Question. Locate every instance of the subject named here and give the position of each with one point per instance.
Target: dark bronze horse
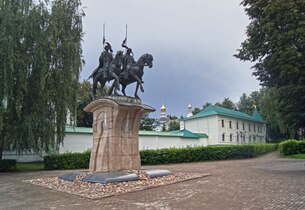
(114, 69)
(135, 74)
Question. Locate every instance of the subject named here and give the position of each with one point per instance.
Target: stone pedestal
(116, 126)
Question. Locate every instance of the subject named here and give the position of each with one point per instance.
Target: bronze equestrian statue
(135, 74)
(122, 69)
(108, 70)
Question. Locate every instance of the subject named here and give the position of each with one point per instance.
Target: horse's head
(148, 60)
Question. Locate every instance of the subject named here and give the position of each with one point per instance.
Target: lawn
(298, 156)
(31, 166)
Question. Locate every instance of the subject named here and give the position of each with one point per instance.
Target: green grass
(32, 166)
(298, 156)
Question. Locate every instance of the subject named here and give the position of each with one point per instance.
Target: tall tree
(40, 53)
(247, 104)
(196, 110)
(174, 125)
(276, 43)
(226, 103)
(206, 105)
(147, 123)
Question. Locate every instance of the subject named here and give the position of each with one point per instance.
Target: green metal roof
(78, 130)
(216, 110)
(257, 116)
(178, 133)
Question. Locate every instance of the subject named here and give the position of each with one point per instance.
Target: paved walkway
(267, 182)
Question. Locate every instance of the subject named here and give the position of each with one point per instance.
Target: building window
(231, 137)
(260, 129)
(237, 138)
(254, 138)
(223, 137)
(249, 139)
(230, 124)
(223, 123)
(237, 125)
(244, 138)
(243, 126)
(249, 127)
(254, 128)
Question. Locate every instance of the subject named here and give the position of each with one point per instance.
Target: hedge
(75, 160)
(292, 147)
(7, 165)
(166, 156)
(194, 154)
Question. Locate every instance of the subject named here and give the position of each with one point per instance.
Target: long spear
(104, 40)
(125, 40)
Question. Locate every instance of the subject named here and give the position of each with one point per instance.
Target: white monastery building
(225, 126)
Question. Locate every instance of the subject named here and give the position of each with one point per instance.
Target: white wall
(76, 142)
(207, 125)
(157, 142)
(260, 136)
(23, 157)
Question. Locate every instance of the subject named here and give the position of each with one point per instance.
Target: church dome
(163, 108)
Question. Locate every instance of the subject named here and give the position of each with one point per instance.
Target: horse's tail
(93, 73)
(91, 76)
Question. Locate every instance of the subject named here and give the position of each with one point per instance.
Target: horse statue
(113, 70)
(135, 74)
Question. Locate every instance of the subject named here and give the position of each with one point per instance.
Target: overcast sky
(192, 43)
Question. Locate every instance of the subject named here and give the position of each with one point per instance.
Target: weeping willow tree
(40, 62)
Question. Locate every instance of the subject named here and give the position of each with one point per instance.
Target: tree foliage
(276, 43)
(147, 123)
(247, 104)
(174, 125)
(84, 119)
(196, 110)
(40, 53)
(226, 103)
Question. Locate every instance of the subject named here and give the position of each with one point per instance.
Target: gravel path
(97, 190)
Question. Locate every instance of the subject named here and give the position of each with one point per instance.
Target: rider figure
(128, 60)
(105, 59)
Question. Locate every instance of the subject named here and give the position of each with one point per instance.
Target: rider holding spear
(128, 59)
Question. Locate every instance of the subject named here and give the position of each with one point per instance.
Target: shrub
(67, 161)
(166, 156)
(179, 155)
(291, 147)
(7, 165)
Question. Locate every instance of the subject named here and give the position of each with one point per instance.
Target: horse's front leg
(94, 89)
(139, 82)
(123, 89)
(116, 80)
(136, 92)
(102, 88)
(111, 89)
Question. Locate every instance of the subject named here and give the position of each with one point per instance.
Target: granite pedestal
(116, 126)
